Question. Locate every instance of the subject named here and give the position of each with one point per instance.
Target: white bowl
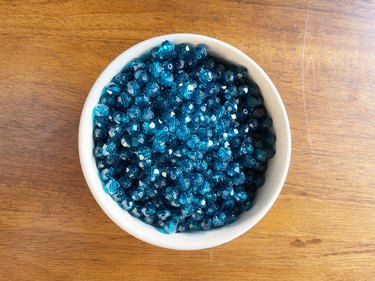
(275, 175)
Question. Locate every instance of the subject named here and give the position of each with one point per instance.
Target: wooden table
(321, 57)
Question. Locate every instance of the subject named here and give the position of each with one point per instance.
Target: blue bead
(166, 50)
(183, 132)
(134, 112)
(119, 195)
(185, 197)
(133, 88)
(184, 50)
(219, 218)
(187, 210)
(193, 141)
(127, 204)
(124, 99)
(204, 188)
(174, 173)
(125, 182)
(136, 64)
(227, 193)
(187, 165)
(230, 92)
(158, 145)
(152, 89)
(112, 186)
(121, 79)
(137, 194)
(228, 204)
(147, 114)
(112, 89)
(241, 73)
(132, 171)
(170, 226)
(260, 155)
(246, 148)
(156, 69)
(148, 209)
(205, 76)
(171, 193)
(100, 134)
(224, 153)
(200, 52)
(141, 76)
(240, 196)
(109, 149)
(187, 89)
(228, 77)
(206, 224)
(166, 78)
(233, 169)
(163, 214)
(101, 110)
(197, 216)
(247, 205)
(183, 183)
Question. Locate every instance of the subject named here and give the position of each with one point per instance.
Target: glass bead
(166, 78)
(200, 52)
(136, 64)
(260, 155)
(112, 186)
(166, 50)
(121, 79)
(127, 204)
(163, 214)
(125, 182)
(137, 194)
(109, 149)
(224, 153)
(170, 226)
(152, 89)
(101, 110)
(227, 193)
(183, 183)
(228, 77)
(219, 218)
(205, 76)
(133, 88)
(148, 209)
(240, 196)
(132, 171)
(112, 89)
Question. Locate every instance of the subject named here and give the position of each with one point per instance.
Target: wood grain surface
(321, 57)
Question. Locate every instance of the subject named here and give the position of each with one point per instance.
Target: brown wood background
(321, 57)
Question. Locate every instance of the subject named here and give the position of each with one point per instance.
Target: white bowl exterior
(275, 175)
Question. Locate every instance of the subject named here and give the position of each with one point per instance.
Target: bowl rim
(98, 192)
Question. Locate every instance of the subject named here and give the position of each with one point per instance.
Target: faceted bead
(112, 160)
(230, 217)
(219, 218)
(209, 64)
(112, 186)
(148, 209)
(158, 145)
(163, 214)
(132, 171)
(200, 52)
(100, 134)
(166, 50)
(185, 198)
(112, 89)
(233, 169)
(121, 79)
(134, 112)
(136, 64)
(183, 132)
(205, 76)
(133, 88)
(193, 141)
(187, 165)
(156, 69)
(187, 209)
(224, 153)
(101, 110)
(206, 224)
(147, 114)
(247, 205)
(246, 148)
(152, 89)
(107, 174)
(184, 50)
(228, 77)
(127, 204)
(228, 204)
(240, 196)
(171, 193)
(230, 92)
(212, 89)
(125, 182)
(187, 89)
(241, 74)
(137, 194)
(124, 99)
(204, 188)
(141, 76)
(109, 148)
(170, 226)
(166, 78)
(227, 193)
(197, 215)
(260, 155)
(183, 183)
(119, 195)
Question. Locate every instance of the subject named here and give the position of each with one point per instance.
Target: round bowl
(275, 175)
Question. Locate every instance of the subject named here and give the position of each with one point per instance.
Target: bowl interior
(275, 175)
